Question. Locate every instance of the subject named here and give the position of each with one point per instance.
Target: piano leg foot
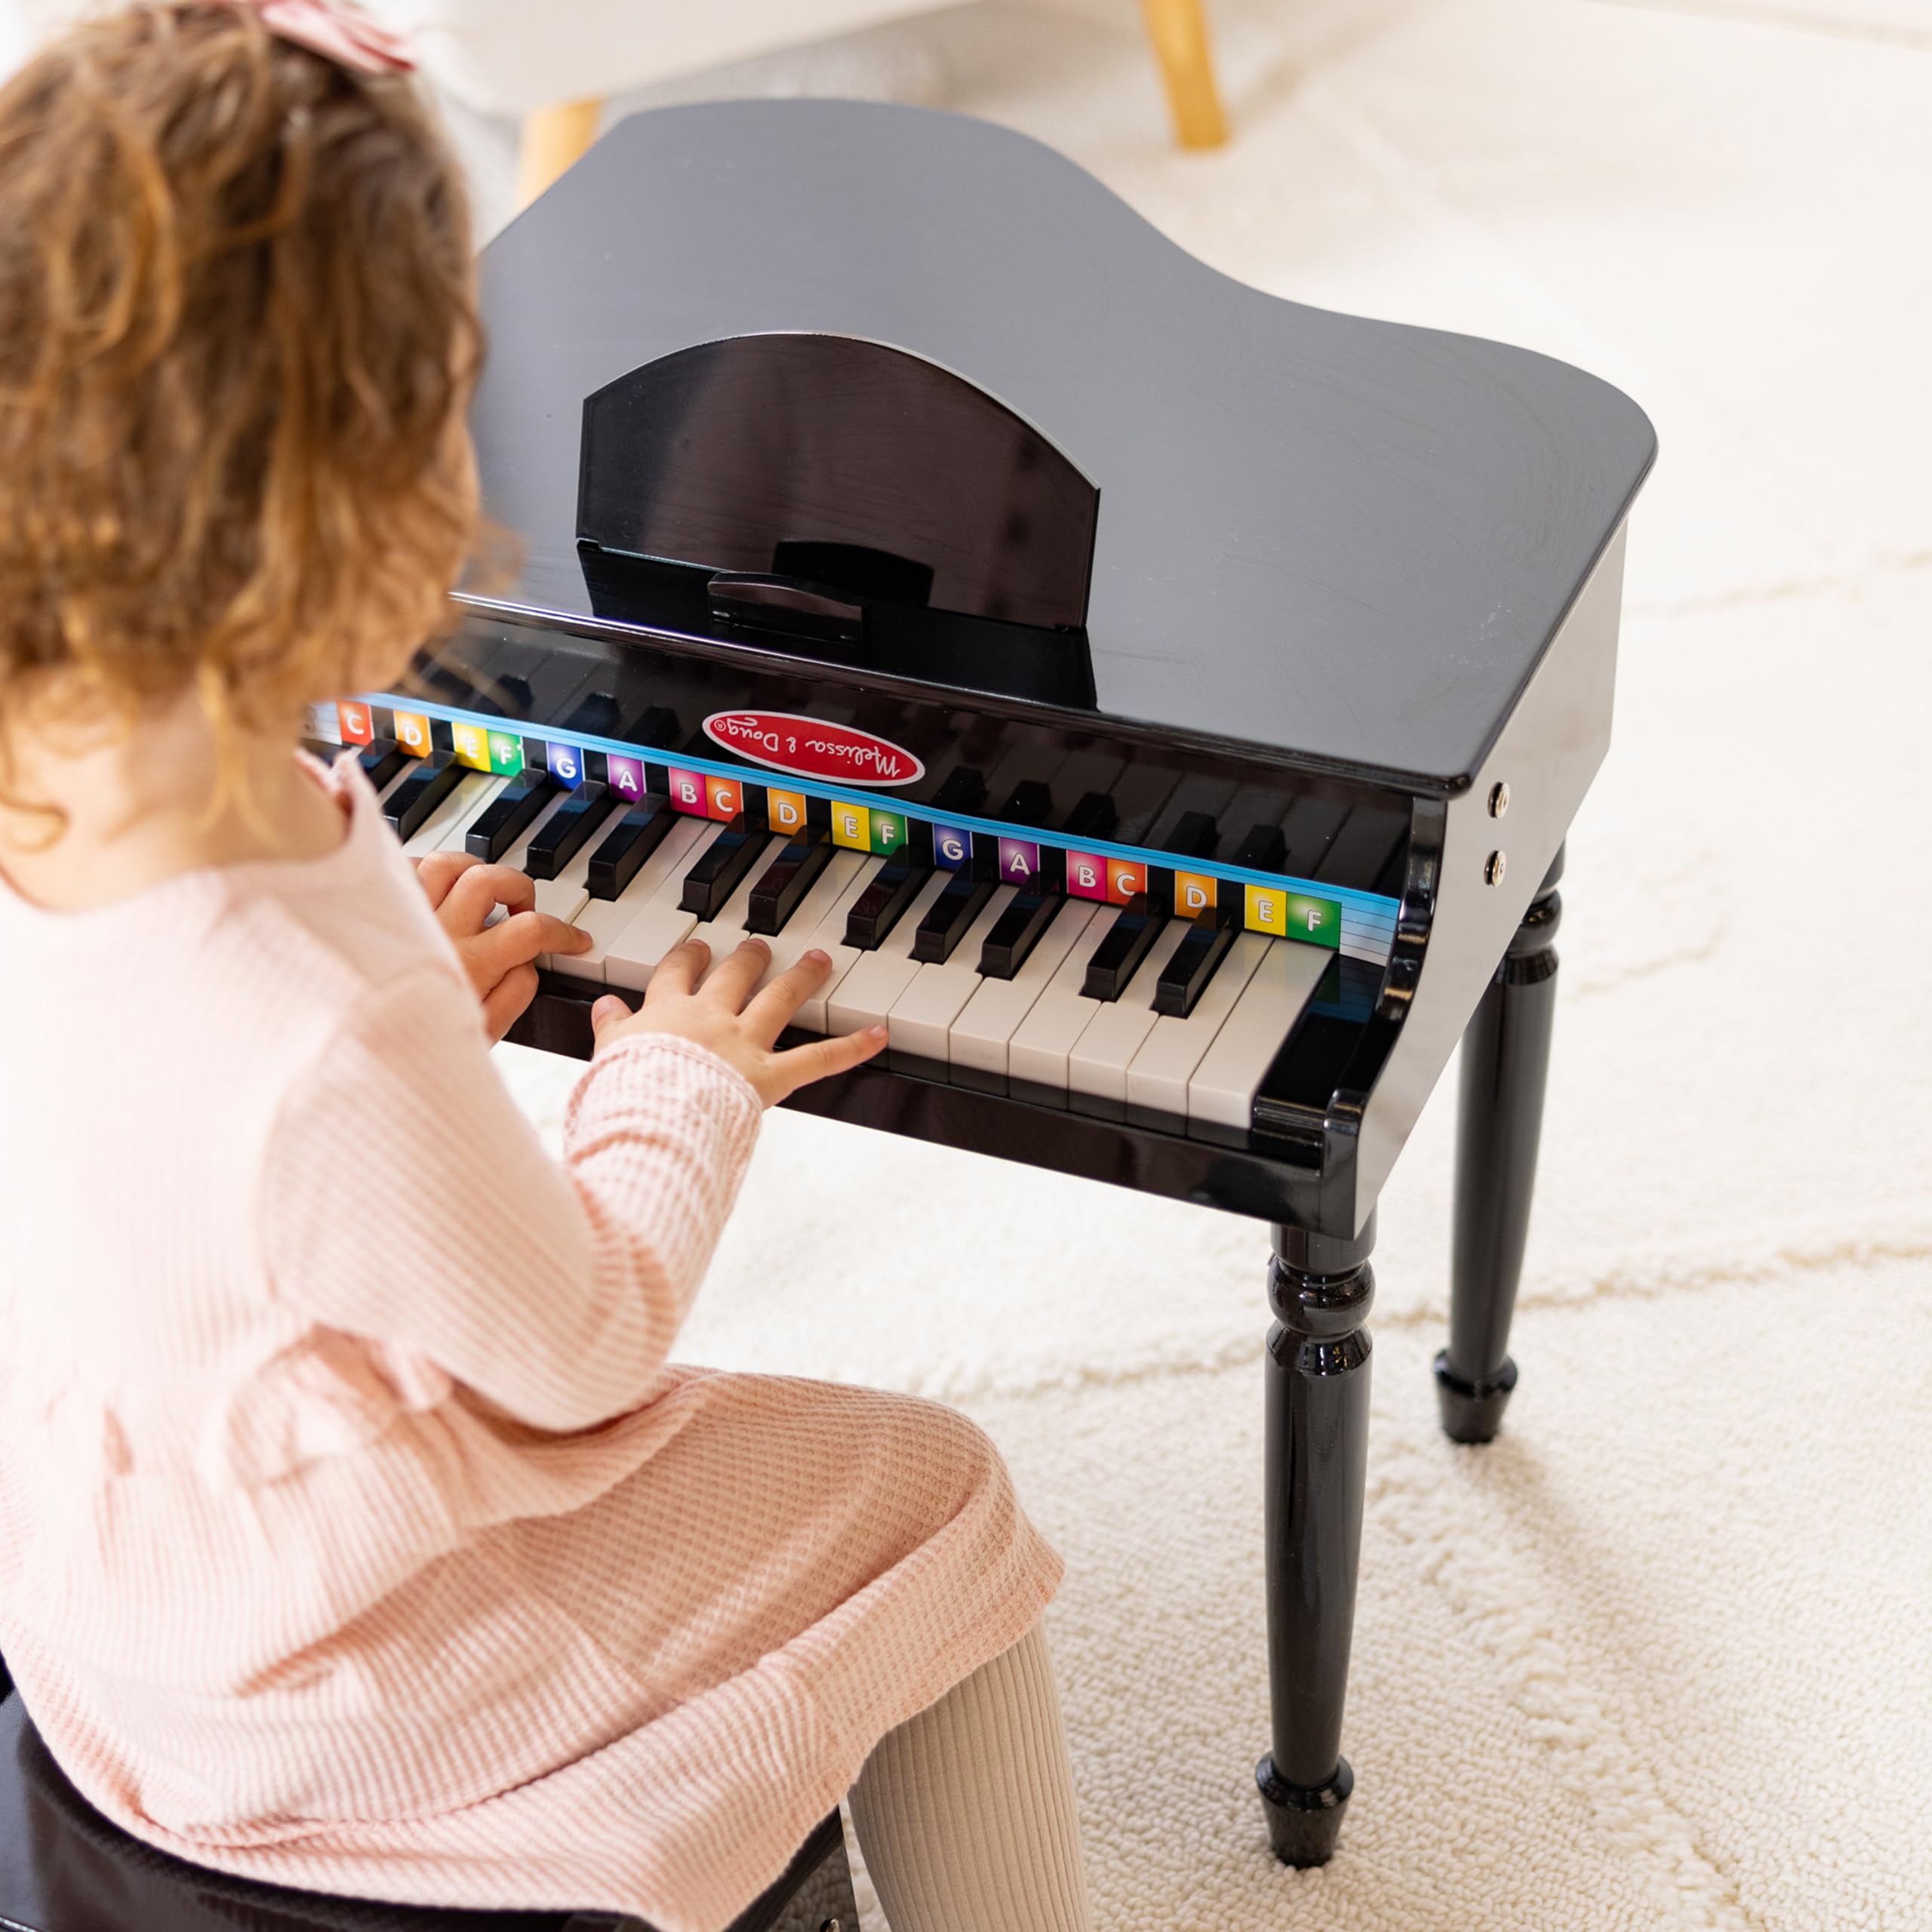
(1320, 1289)
(1506, 1062)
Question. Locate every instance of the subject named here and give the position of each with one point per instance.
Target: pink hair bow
(338, 31)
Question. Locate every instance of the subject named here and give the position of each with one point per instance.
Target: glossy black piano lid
(1342, 541)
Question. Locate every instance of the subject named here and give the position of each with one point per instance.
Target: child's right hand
(717, 1015)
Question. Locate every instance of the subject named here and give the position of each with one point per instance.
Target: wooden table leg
(554, 139)
(1179, 32)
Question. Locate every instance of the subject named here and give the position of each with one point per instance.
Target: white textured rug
(1662, 1656)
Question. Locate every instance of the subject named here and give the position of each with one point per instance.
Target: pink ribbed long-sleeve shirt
(354, 1533)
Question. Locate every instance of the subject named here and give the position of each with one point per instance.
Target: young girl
(354, 1533)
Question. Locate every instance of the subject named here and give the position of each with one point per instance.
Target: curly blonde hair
(237, 336)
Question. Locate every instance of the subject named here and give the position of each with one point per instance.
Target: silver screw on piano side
(1498, 800)
(1499, 864)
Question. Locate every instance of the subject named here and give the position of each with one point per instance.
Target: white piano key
(922, 1013)
(1041, 1043)
(724, 934)
(987, 1023)
(1221, 1088)
(607, 920)
(661, 924)
(1159, 1073)
(812, 1017)
(467, 797)
(867, 993)
(515, 856)
(568, 894)
(414, 765)
(1100, 1057)
(801, 931)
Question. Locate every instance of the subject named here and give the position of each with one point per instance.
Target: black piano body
(870, 461)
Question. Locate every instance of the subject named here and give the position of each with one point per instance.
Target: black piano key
(1125, 944)
(1093, 817)
(619, 858)
(786, 881)
(883, 903)
(321, 748)
(963, 790)
(1361, 849)
(1195, 836)
(1310, 826)
(442, 679)
(506, 817)
(1017, 931)
(597, 716)
(1030, 802)
(1264, 850)
(381, 761)
(418, 794)
(948, 915)
(720, 869)
(1184, 978)
(562, 834)
(513, 692)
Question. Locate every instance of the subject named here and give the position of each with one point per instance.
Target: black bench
(64, 1867)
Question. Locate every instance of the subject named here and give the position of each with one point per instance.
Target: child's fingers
(734, 978)
(772, 1007)
(678, 972)
(437, 871)
(505, 1001)
(803, 1065)
(477, 893)
(606, 1013)
(516, 942)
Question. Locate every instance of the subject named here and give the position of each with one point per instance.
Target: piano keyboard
(1177, 1017)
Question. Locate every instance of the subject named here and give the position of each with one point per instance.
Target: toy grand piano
(1164, 702)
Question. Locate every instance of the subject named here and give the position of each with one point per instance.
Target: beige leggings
(965, 1812)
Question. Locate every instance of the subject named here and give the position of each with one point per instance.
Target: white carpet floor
(1662, 1656)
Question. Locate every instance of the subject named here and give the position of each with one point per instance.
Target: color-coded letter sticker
(888, 832)
(627, 777)
(357, 724)
(688, 792)
(1086, 875)
(1019, 862)
(471, 744)
(1285, 914)
(723, 798)
(952, 846)
(1268, 911)
(1126, 878)
(506, 754)
(1194, 894)
(412, 732)
(565, 763)
(1318, 922)
(851, 826)
(785, 811)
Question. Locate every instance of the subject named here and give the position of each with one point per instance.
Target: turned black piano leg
(1506, 1063)
(1320, 1290)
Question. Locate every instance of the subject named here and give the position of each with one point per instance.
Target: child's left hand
(464, 893)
